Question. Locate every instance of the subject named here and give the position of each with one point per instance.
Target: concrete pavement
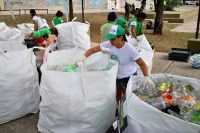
(190, 16)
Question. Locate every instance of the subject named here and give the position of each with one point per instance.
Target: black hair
(112, 16)
(54, 31)
(59, 13)
(32, 12)
(141, 15)
(124, 38)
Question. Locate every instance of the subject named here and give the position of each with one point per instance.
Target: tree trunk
(155, 1)
(159, 17)
(71, 14)
(83, 17)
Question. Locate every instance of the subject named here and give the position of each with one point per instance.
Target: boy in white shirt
(38, 21)
(126, 55)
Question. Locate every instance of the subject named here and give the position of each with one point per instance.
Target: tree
(71, 14)
(158, 25)
(198, 21)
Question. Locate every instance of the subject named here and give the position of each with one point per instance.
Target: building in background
(2, 6)
(89, 4)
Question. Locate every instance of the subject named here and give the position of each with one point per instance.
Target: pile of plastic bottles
(195, 60)
(172, 97)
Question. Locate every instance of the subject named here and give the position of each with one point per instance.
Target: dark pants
(121, 86)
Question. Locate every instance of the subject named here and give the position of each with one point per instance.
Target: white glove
(81, 60)
(148, 82)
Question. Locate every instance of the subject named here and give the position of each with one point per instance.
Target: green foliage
(171, 4)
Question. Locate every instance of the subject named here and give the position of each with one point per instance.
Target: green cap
(121, 22)
(116, 30)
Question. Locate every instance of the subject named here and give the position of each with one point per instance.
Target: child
(127, 56)
(58, 18)
(43, 37)
(38, 21)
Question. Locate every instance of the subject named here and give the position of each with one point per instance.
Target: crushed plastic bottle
(70, 68)
(196, 107)
(185, 102)
(157, 102)
(163, 86)
(195, 117)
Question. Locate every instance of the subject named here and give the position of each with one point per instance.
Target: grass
(163, 43)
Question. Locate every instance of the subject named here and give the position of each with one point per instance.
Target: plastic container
(157, 102)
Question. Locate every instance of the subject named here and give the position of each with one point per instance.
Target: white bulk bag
(143, 118)
(72, 34)
(26, 29)
(77, 102)
(11, 39)
(146, 53)
(3, 26)
(131, 40)
(19, 86)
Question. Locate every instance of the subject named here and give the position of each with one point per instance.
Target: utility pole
(198, 21)
(71, 14)
(83, 17)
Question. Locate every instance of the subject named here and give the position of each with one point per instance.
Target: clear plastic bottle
(157, 102)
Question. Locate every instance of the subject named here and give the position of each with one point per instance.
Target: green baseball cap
(115, 31)
(121, 22)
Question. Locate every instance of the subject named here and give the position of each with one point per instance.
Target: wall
(2, 5)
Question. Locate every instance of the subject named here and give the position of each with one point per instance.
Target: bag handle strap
(48, 49)
(81, 65)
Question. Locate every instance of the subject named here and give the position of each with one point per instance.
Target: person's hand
(81, 60)
(51, 39)
(148, 82)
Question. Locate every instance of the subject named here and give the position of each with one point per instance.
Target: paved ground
(189, 13)
(161, 64)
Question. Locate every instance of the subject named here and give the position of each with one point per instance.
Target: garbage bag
(19, 86)
(72, 34)
(143, 117)
(76, 102)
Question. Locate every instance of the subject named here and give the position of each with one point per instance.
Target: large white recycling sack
(72, 34)
(11, 40)
(146, 52)
(143, 118)
(3, 26)
(19, 86)
(26, 29)
(77, 102)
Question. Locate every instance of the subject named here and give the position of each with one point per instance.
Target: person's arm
(147, 80)
(143, 30)
(143, 66)
(92, 51)
(133, 31)
(88, 53)
(35, 25)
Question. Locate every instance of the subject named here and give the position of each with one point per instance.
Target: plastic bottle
(157, 102)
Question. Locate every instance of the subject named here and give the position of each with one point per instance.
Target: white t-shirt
(127, 55)
(41, 22)
(133, 23)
